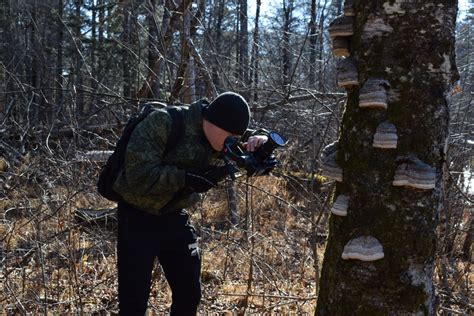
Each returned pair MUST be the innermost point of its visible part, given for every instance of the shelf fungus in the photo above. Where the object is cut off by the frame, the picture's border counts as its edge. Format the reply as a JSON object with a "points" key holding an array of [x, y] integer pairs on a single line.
{"points": [[347, 75], [416, 174], [349, 8], [341, 26], [340, 206], [340, 47], [366, 248], [330, 168], [373, 94], [385, 136]]}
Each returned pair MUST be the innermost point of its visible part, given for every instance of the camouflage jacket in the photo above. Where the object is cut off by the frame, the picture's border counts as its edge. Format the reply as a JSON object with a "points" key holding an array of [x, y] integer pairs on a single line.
{"points": [[150, 179]]}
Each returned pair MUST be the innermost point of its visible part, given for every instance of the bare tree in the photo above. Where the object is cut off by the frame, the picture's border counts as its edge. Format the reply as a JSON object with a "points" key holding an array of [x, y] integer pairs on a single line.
{"points": [[243, 53], [288, 8], [255, 62]]}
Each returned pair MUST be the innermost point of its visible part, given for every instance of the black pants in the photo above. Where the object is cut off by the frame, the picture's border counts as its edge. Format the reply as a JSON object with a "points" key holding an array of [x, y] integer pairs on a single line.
{"points": [[170, 238]]}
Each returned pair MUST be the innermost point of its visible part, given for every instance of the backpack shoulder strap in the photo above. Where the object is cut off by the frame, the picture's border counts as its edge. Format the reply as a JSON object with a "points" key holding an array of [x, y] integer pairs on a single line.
{"points": [[177, 127]]}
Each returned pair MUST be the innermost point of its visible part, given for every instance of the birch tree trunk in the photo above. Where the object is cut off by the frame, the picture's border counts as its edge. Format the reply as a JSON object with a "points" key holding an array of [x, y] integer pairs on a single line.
{"points": [[407, 49]]}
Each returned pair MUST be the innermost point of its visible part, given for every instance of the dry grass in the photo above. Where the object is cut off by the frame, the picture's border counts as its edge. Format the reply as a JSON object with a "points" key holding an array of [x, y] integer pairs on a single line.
{"points": [[53, 263]]}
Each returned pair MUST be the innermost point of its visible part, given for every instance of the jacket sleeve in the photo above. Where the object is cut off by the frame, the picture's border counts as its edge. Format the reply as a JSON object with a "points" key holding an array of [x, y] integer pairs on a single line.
{"points": [[144, 171]]}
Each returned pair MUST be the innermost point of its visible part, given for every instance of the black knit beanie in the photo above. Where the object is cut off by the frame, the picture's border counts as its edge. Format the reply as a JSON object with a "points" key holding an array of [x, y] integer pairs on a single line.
{"points": [[230, 112]]}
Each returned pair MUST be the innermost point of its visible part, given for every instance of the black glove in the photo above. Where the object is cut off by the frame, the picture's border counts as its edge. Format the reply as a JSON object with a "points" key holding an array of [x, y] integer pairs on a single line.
{"points": [[201, 180], [216, 173], [198, 182]]}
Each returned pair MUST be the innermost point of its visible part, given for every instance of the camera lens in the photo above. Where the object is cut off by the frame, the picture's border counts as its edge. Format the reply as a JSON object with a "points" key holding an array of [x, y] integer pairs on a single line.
{"points": [[275, 140]]}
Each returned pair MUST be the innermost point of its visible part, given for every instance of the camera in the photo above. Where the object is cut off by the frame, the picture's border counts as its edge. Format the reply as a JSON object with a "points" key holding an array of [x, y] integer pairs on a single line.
{"points": [[257, 163]]}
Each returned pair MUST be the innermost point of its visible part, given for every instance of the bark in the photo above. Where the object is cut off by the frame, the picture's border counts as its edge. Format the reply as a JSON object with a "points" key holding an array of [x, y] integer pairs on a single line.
{"points": [[79, 80], [286, 62], [211, 91], [217, 40], [243, 67], [255, 61], [59, 55], [153, 53], [312, 44], [189, 88], [181, 72], [125, 42], [185, 80], [93, 48], [338, 7], [100, 35], [35, 66], [411, 45], [320, 45]]}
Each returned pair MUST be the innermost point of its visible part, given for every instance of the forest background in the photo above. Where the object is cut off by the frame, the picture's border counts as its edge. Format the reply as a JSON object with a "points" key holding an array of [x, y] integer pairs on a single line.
{"points": [[72, 72]]}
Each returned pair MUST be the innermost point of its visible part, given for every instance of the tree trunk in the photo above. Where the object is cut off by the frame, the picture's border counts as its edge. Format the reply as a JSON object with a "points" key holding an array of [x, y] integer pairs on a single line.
{"points": [[188, 88], [217, 39], [8, 45], [59, 55], [407, 50], [125, 43], [255, 55], [185, 53], [79, 81], [312, 44], [100, 36], [320, 45], [35, 67], [243, 66], [286, 62]]}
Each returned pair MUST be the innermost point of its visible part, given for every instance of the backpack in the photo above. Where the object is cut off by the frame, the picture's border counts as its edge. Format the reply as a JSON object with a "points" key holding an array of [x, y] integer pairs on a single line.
{"points": [[114, 164]]}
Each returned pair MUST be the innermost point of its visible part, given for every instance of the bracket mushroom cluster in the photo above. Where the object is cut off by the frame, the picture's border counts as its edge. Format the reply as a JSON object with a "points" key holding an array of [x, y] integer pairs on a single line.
{"points": [[385, 136], [340, 30], [330, 168], [373, 94], [349, 9], [414, 173], [365, 248], [347, 75], [340, 206]]}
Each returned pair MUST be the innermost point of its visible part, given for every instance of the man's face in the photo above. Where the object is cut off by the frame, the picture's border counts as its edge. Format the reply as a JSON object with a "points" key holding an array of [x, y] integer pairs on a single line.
{"points": [[216, 135]]}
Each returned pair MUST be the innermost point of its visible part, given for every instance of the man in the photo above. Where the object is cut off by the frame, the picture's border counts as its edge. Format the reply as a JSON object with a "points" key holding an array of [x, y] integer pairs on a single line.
{"points": [[157, 187]]}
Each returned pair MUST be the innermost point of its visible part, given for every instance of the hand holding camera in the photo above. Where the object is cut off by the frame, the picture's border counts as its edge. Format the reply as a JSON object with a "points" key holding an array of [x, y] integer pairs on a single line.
{"points": [[255, 156], [254, 142]]}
